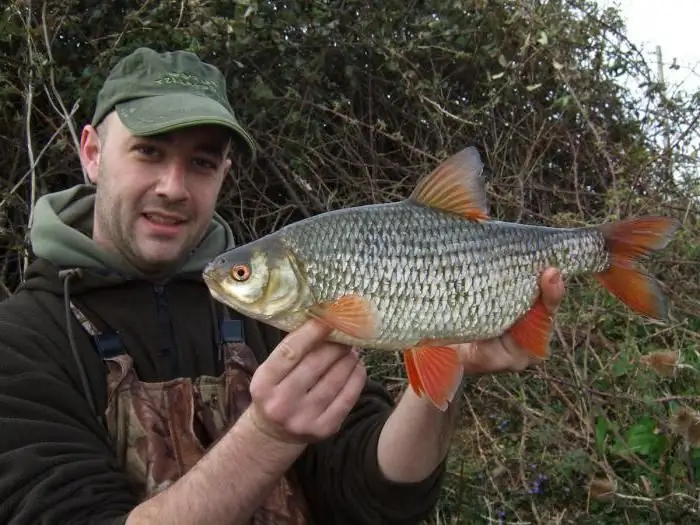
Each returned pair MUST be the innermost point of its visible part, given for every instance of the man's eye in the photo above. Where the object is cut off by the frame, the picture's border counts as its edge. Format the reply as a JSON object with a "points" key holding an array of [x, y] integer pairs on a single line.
{"points": [[146, 150], [205, 163]]}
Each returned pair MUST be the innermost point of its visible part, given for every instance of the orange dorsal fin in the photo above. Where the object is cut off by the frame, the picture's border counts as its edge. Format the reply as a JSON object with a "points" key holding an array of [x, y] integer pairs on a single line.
{"points": [[455, 186], [532, 331], [350, 314], [434, 371], [627, 241]]}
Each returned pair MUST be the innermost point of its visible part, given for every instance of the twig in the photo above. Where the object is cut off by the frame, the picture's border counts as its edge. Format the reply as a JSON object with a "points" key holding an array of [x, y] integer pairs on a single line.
{"points": [[29, 102], [34, 163], [599, 140], [290, 189], [64, 112], [447, 113], [182, 11]]}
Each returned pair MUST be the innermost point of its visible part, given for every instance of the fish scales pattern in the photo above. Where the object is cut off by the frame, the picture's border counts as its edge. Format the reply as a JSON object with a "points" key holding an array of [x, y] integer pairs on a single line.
{"points": [[428, 273]]}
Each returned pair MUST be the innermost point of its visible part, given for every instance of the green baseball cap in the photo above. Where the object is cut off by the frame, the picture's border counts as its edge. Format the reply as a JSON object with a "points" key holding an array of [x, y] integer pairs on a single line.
{"points": [[158, 92]]}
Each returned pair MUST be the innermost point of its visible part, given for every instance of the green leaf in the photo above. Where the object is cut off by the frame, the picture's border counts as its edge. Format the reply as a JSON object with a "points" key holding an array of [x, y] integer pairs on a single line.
{"points": [[621, 367], [601, 430], [644, 439]]}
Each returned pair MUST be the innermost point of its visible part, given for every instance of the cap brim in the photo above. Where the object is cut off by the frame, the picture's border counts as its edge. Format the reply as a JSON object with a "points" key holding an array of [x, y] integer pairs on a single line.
{"points": [[163, 113]]}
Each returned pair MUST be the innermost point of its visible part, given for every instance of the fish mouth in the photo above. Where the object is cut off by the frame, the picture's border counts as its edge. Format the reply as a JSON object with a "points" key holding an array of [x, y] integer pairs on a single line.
{"points": [[213, 277], [213, 274]]}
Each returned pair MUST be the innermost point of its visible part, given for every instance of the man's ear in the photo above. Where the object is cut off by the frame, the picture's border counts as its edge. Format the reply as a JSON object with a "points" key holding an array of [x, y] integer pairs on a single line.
{"points": [[90, 152]]}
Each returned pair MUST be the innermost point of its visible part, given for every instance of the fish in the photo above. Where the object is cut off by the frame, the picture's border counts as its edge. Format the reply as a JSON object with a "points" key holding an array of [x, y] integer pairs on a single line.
{"points": [[423, 274]]}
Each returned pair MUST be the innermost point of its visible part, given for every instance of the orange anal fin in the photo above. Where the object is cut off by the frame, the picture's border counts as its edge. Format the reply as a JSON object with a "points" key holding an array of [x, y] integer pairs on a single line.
{"points": [[435, 371], [350, 314], [455, 186], [627, 241], [532, 331]]}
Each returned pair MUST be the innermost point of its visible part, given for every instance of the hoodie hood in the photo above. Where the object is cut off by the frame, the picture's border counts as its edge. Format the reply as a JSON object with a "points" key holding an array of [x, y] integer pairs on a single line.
{"points": [[62, 236]]}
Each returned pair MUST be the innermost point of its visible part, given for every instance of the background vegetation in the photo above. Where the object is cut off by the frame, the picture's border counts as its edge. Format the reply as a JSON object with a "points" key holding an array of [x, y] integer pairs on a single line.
{"points": [[351, 102]]}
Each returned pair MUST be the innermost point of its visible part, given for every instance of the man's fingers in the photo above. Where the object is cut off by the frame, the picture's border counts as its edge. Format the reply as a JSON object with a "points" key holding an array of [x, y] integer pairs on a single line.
{"points": [[290, 351], [332, 383], [306, 375], [337, 411], [552, 289]]}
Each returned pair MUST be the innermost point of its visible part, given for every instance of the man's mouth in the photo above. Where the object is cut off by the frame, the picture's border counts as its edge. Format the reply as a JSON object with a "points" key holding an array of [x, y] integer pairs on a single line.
{"points": [[164, 219]]}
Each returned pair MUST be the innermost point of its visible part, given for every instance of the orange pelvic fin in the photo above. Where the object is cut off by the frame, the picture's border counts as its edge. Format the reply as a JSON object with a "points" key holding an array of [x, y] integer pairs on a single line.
{"points": [[351, 314], [532, 331], [455, 186], [434, 371], [627, 241]]}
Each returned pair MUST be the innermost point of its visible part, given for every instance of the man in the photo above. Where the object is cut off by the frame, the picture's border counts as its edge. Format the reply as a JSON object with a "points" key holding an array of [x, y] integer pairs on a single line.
{"points": [[129, 396]]}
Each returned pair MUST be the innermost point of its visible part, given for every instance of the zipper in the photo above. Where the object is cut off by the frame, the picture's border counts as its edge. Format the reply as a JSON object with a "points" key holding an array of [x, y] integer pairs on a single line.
{"points": [[167, 338]]}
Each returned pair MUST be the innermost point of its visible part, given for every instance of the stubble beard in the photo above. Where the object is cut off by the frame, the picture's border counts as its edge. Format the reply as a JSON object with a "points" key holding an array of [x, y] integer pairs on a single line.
{"points": [[116, 228]]}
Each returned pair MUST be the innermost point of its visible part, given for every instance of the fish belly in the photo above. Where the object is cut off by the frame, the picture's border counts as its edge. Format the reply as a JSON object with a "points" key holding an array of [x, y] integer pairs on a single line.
{"points": [[429, 275]]}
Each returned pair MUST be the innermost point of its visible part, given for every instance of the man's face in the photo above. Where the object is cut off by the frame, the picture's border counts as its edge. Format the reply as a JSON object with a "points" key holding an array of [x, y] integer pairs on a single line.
{"points": [[155, 195]]}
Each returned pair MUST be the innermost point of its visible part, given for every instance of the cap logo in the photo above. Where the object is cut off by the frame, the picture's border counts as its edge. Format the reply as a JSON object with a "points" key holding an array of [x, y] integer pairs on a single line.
{"points": [[190, 81]]}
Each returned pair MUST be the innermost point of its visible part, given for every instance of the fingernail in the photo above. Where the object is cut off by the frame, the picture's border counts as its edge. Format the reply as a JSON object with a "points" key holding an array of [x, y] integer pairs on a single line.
{"points": [[555, 279]]}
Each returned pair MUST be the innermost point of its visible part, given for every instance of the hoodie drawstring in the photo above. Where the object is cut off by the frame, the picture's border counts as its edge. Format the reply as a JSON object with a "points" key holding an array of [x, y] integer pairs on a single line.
{"points": [[66, 276]]}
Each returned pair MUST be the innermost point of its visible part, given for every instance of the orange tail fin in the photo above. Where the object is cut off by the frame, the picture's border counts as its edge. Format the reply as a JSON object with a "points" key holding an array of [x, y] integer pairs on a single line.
{"points": [[627, 241]]}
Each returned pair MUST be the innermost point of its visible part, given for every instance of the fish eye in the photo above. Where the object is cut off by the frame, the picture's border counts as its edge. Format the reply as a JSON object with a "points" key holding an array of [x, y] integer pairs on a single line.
{"points": [[240, 272]]}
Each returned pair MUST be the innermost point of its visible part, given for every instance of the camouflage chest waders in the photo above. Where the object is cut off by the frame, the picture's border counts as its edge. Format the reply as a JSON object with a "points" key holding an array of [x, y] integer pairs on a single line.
{"points": [[161, 429]]}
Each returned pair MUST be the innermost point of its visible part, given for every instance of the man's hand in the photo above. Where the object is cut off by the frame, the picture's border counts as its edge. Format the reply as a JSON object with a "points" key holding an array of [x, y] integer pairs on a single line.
{"points": [[306, 387], [501, 354]]}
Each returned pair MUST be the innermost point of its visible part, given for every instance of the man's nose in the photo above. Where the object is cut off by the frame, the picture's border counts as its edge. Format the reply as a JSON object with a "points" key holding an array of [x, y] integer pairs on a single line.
{"points": [[172, 182]]}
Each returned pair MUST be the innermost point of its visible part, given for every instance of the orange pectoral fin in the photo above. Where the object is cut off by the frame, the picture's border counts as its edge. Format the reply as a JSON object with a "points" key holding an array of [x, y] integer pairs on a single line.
{"points": [[351, 314], [435, 371], [532, 331]]}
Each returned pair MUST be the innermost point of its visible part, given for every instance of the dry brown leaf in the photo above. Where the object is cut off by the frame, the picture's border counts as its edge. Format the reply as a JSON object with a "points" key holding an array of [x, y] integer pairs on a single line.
{"points": [[686, 423], [663, 363], [601, 489]]}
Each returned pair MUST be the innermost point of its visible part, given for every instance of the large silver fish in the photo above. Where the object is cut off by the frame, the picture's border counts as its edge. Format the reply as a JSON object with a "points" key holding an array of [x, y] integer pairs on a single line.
{"points": [[430, 271]]}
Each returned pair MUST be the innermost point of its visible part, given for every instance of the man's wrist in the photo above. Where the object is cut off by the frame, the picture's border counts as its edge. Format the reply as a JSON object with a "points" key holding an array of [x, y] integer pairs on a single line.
{"points": [[251, 426]]}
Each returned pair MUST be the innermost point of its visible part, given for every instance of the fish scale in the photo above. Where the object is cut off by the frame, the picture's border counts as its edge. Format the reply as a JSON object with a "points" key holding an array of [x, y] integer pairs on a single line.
{"points": [[440, 274], [432, 270]]}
